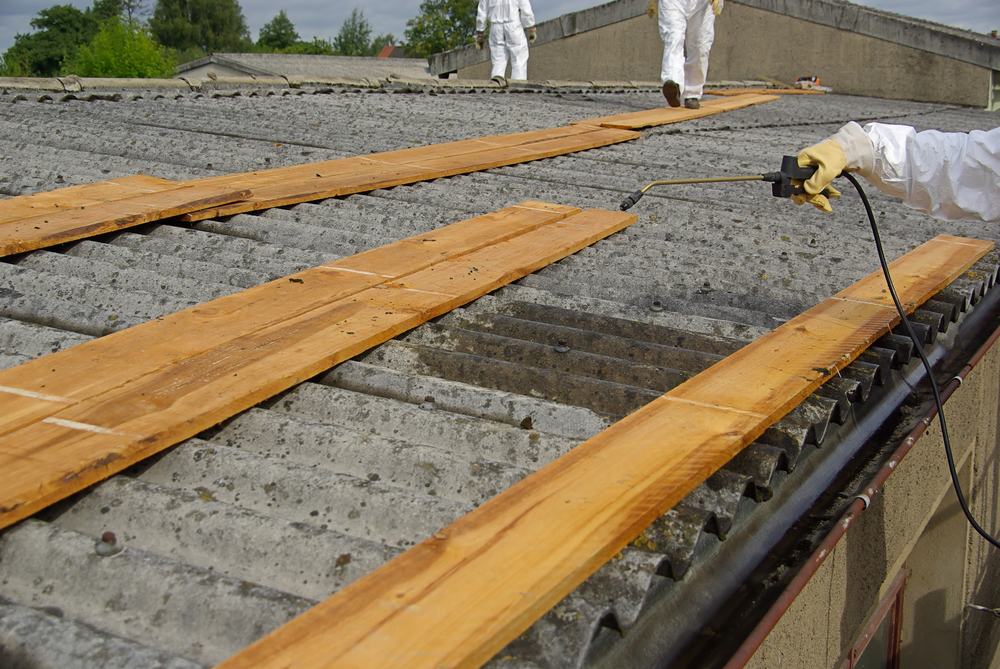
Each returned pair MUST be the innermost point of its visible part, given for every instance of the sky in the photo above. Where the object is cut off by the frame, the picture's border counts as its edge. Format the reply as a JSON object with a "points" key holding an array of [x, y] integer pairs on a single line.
{"points": [[322, 18]]}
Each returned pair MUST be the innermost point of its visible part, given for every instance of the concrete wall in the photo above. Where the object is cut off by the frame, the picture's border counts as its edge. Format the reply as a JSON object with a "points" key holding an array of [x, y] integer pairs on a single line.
{"points": [[914, 525], [629, 50], [751, 43], [773, 40]]}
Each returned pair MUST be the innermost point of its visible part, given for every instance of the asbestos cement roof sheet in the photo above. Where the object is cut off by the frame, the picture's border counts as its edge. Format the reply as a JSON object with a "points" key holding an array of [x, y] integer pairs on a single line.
{"points": [[230, 534]]}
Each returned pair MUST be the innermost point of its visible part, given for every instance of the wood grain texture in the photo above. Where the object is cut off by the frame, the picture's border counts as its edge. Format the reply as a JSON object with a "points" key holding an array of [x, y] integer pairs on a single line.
{"points": [[64, 224], [457, 598], [286, 186], [661, 116], [100, 365], [73, 197], [135, 395]]}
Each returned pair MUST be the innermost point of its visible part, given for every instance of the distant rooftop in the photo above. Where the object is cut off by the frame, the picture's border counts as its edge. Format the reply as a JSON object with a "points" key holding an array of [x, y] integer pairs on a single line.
{"points": [[298, 66]]}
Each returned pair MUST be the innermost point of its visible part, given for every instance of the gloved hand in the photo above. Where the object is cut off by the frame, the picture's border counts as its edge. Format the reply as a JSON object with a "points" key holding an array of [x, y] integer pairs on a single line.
{"points": [[480, 40], [848, 149], [717, 6], [532, 35], [652, 9]]}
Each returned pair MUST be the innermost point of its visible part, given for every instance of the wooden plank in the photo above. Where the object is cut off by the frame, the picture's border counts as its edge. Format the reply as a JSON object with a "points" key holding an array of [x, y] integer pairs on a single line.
{"points": [[457, 598], [175, 400], [65, 225], [664, 115], [73, 197], [765, 91], [388, 170], [99, 365]]}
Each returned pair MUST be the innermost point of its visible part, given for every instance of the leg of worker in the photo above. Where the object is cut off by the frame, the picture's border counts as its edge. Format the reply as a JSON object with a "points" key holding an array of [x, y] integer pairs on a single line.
{"points": [[672, 24], [518, 45], [698, 43], [498, 51]]}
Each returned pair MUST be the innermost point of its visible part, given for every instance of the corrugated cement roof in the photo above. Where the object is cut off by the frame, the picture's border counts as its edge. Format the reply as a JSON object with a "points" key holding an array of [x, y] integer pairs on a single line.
{"points": [[229, 535]]}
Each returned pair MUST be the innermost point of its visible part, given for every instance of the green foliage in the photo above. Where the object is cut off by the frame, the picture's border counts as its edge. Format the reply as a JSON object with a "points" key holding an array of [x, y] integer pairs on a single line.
{"points": [[60, 31], [121, 49], [209, 25], [354, 38], [440, 26], [317, 47], [278, 33]]}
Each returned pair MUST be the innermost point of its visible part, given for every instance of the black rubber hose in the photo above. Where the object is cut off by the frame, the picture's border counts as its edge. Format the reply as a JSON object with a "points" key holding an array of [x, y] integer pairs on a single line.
{"points": [[927, 365]]}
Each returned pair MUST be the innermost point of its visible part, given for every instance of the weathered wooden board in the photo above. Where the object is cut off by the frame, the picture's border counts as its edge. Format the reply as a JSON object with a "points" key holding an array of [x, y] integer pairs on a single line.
{"points": [[664, 115], [167, 396], [460, 596], [97, 366], [765, 91], [73, 197], [286, 186], [67, 224]]}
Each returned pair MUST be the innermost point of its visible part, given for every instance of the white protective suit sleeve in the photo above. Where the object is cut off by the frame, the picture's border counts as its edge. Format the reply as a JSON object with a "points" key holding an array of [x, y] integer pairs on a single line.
{"points": [[481, 16], [951, 176]]}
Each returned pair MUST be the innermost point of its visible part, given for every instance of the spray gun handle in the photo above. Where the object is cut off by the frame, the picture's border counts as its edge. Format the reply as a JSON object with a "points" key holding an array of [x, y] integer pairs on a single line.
{"points": [[781, 182]]}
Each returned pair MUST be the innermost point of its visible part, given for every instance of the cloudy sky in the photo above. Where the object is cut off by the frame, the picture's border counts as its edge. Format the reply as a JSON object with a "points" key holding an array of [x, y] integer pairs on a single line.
{"points": [[322, 18]]}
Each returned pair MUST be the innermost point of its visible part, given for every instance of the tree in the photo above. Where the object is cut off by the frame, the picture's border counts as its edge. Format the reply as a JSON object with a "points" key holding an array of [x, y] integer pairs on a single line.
{"points": [[440, 26], [205, 25], [61, 29], [121, 49], [278, 33], [317, 47], [354, 36]]}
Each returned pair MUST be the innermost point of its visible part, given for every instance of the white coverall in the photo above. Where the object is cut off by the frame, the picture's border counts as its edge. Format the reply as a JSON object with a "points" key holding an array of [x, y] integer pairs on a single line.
{"points": [[508, 19], [951, 176], [686, 26]]}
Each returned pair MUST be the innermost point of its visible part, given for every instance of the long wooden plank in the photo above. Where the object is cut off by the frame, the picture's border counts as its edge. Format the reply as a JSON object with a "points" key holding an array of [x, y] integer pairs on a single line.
{"points": [[460, 596], [765, 91], [118, 423], [65, 225], [664, 115], [388, 170], [100, 365], [73, 197]]}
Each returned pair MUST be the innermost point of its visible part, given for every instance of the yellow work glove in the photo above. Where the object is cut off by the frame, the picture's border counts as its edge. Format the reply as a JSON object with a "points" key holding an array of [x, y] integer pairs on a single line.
{"points": [[829, 159], [532, 35], [849, 149], [717, 6], [652, 9], [480, 40]]}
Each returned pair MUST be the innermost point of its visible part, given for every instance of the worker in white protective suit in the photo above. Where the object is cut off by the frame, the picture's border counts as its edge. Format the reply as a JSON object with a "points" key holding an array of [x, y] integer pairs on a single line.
{"points": [[509, 19], [951, 176], [687, 28]]}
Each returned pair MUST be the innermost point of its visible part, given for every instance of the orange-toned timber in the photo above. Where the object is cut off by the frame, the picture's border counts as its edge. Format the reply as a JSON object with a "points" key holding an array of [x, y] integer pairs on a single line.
{"points": [[661, 116], [764, 91], [290, 185], [29, 222], [85, 413], [460, 596]]}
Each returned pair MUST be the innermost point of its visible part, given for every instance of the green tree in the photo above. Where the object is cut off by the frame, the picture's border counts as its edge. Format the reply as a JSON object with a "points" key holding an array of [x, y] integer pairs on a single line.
{"points": [[278, 33], [60, 30], [205, 25], [440, 26], [317, 47], [354, 38], [121, 49]]}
